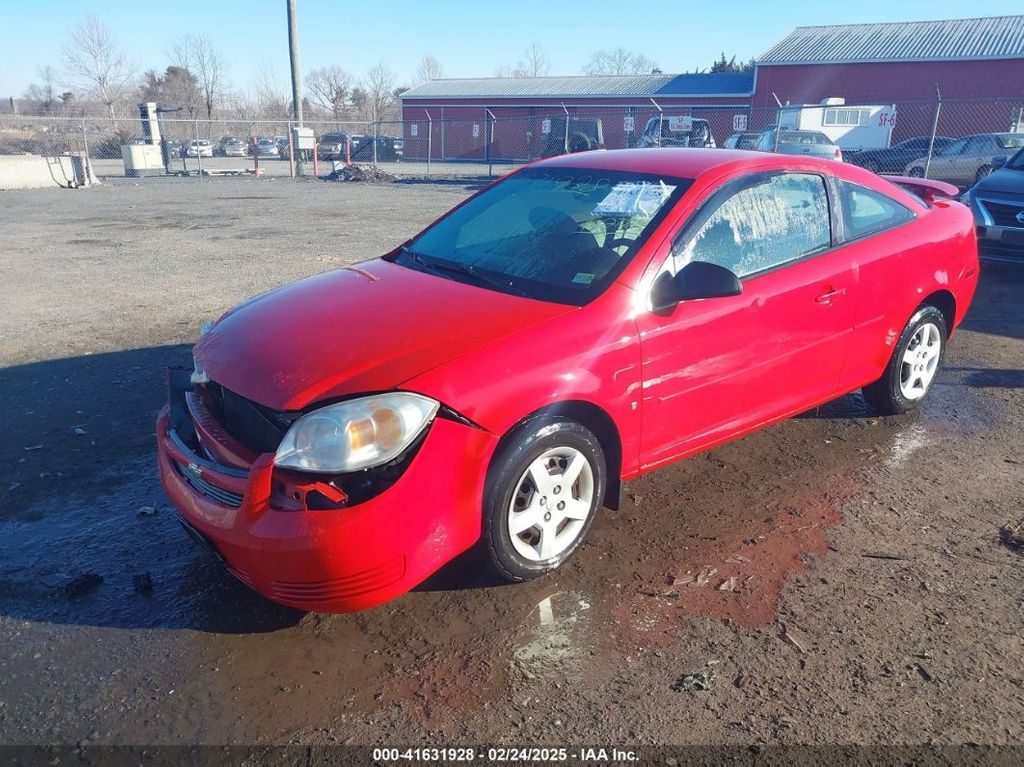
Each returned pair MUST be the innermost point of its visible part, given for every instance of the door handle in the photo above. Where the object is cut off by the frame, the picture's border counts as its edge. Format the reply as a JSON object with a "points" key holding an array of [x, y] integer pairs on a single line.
{"points": [[828, 296]]}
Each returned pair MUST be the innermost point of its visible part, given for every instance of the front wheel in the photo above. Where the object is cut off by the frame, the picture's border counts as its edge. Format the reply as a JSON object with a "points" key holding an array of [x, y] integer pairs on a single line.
{"points": [[911, 370], [542, 494], [984, 170], [917, 172]]}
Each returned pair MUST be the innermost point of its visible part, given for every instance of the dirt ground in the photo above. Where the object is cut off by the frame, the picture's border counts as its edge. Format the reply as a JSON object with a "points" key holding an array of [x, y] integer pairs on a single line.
{"points": [[839, 578]]}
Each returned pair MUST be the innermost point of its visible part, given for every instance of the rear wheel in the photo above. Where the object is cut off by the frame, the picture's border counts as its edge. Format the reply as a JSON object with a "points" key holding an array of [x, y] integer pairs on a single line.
{"points": [[914, 363], [542, 494], [917, 171]]}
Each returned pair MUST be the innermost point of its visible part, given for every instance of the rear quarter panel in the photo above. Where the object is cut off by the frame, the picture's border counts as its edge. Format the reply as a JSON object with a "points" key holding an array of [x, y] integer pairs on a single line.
{"points": [[898, 270]]}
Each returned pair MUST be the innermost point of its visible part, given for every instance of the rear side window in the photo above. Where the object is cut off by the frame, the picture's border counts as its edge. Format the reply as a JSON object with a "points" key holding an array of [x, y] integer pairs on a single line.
{"points": [[866, 211], [775, 220]]}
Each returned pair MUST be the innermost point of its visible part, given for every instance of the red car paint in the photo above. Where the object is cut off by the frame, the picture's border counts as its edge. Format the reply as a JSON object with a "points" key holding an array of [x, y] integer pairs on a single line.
{"points": [[670, 383]]}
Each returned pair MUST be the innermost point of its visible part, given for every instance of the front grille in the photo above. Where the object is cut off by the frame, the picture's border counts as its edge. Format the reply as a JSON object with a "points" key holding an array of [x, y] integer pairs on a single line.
{"points": [[219, 494], [1004, 213], [997, 249], [259, 428]]}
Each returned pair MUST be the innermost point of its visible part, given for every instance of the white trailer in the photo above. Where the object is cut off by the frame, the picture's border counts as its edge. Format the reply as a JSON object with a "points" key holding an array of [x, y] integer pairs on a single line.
{"points": [[852, 127]]}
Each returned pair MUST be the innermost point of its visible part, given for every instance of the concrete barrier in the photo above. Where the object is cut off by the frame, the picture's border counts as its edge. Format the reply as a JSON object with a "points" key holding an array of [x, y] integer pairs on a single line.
{"points": [[31, 171]]}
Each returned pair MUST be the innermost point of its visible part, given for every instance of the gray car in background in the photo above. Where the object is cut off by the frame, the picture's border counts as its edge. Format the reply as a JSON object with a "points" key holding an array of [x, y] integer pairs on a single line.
{"points": [[968, 159], [798, 142], [742, 141]]}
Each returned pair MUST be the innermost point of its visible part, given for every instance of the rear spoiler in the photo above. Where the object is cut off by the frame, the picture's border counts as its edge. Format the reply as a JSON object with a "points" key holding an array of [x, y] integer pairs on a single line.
{"points": [[927, 189]]}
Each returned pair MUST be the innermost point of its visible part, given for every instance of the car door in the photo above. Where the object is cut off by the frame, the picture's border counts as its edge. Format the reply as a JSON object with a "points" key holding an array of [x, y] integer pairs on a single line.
{"points": [[977, 152], [715, 368], [944, 164]]}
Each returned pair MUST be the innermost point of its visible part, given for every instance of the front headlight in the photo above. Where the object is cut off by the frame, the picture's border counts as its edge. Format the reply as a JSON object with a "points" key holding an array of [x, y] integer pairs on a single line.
{"points": [[357, 434]]}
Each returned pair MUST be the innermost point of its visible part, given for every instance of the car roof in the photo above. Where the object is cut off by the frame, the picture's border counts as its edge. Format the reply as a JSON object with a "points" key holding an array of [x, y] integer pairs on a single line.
{"points": [[678, 162]]}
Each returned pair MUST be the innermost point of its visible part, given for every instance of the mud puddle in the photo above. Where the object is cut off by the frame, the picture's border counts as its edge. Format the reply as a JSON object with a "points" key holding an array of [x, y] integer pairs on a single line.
{"points": [[716, 536]]}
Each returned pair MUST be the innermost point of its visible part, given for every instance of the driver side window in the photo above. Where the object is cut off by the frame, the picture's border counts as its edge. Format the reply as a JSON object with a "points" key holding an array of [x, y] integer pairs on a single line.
{"points": [[771, 222]]}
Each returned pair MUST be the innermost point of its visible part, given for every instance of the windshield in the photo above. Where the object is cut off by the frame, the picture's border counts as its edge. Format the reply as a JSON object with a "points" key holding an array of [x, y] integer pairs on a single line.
{"points": [[553, 234]]}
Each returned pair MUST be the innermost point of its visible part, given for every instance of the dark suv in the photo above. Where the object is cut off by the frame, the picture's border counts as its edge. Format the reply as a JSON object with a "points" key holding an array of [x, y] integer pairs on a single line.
{"points": [[997, 201]]}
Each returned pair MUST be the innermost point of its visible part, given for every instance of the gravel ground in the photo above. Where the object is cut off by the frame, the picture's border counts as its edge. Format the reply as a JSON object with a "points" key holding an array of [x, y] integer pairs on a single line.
{"points": [[874, 602]]}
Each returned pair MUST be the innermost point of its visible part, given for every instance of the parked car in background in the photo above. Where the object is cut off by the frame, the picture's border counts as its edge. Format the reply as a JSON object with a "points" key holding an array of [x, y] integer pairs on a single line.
{"points": [[676, 131], [341, 438], [362, 149], [968, 159], [799, 142], [264, 148], [895, 158], [997, 201], [741, 141], [332, 146], [567, 135], [199, 148], [281, 142], [231, 148], [175, 149], [218, 148]]}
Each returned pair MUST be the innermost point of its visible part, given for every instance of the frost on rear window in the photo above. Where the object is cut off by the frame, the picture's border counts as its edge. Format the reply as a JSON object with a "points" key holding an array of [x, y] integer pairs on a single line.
{"points": [[780, 220]]}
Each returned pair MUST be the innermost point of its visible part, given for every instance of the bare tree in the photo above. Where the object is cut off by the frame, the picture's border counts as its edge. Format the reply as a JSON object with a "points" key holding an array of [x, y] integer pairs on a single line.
{"points": [[380, 91], [94, 58], [197, 54], [271, 96], [44, 93], [534, 64], [429, 69], [618, 61], [330, 88]]}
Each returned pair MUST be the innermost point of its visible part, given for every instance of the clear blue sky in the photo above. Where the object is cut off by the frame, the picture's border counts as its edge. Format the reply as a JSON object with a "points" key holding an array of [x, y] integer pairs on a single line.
{"points": [[468, 38]]}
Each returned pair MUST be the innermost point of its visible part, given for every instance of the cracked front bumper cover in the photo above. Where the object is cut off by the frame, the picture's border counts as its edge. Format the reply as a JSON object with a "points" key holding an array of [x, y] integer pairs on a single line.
{"points": [[337, 560]]}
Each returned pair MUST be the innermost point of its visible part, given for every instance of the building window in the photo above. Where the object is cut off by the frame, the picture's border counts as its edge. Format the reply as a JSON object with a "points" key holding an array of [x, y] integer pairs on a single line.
{"points": [[846, 116]]}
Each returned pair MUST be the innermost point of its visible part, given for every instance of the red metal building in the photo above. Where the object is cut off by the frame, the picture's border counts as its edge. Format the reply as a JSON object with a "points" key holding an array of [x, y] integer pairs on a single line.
{"points": [[453, 119], [975, 65]]}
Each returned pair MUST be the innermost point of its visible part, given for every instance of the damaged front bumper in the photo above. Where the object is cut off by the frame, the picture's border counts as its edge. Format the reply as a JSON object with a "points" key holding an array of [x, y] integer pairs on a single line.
{"points": [[352, 557]]}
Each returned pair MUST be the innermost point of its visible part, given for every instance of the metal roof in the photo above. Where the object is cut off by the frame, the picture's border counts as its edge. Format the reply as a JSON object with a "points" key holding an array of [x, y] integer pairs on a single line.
{"points": [[641, 86], [995, 37]]}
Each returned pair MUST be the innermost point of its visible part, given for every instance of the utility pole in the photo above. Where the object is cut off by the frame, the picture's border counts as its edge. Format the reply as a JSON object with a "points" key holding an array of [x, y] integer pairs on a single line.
{"points": [[293, 52]]}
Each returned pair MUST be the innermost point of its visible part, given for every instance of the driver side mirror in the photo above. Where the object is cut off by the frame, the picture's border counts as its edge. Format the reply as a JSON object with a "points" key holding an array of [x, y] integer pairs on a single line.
{"points": [[698, 279]]}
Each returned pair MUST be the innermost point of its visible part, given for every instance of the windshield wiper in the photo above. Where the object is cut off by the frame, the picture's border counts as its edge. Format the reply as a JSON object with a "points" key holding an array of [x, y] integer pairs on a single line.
{"points": [[442, 266]]}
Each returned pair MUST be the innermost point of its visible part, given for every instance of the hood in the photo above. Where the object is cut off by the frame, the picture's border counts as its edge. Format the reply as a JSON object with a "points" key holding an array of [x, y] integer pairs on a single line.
{"points": [[358, 329], [1004, 181]]}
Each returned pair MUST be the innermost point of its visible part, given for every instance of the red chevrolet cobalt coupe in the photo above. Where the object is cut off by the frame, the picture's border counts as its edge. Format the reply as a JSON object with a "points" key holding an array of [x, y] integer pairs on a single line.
{"points": [[584, 320]]}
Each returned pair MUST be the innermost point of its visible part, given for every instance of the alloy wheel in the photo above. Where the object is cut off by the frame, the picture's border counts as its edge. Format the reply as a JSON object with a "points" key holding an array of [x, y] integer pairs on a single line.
{"points": [[920, 361], [551, 504]]}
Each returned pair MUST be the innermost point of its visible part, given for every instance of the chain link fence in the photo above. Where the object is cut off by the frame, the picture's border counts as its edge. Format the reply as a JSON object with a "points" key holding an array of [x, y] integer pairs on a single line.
{"points": [[956, 141]]}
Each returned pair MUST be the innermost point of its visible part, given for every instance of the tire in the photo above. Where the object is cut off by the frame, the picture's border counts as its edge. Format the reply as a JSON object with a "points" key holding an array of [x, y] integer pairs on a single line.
{"points": [[579, 142], [917, 172], [915, 361], [984, 170], [543, 448]]}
